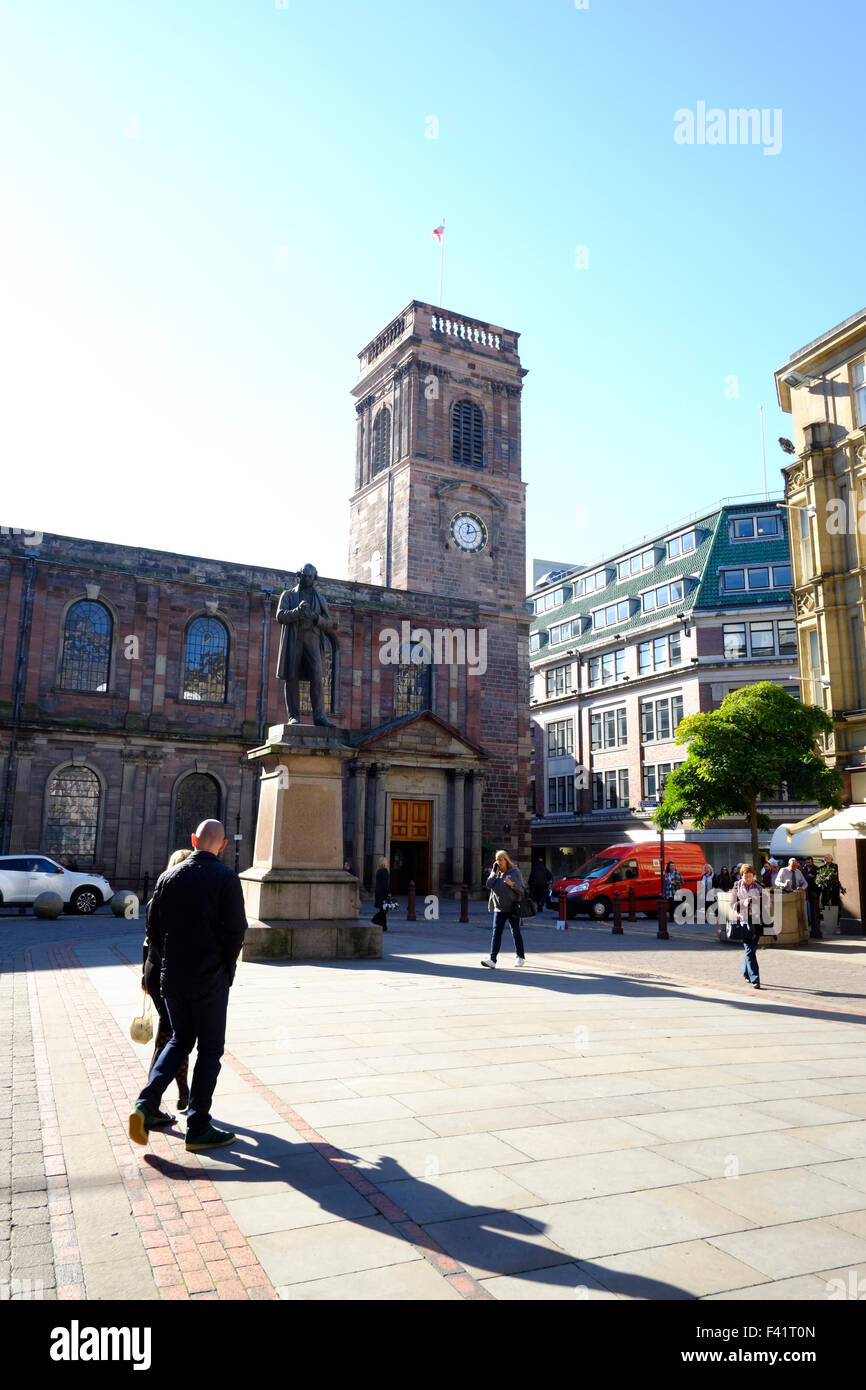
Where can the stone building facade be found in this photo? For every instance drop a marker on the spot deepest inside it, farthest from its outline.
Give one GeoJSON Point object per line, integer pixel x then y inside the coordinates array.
{"type": "Point", "coordinates": [133, 682]}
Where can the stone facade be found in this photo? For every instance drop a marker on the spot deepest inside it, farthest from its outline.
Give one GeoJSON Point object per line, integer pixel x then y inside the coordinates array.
{"type": "Point", "coordinates": [136, 734]}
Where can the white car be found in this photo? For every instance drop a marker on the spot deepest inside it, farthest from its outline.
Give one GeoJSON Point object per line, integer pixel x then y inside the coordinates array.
{"type": "Point", "coordinates": [24, 876]}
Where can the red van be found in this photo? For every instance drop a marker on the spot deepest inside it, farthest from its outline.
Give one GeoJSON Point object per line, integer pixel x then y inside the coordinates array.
{"type": "Point", "coordinates": [590, 889]}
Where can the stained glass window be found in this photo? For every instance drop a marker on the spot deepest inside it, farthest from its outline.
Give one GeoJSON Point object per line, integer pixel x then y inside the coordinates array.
{"type": "Point", "coordinates": [206, 660]}
{"type": "Point", "coordinates": [72, 814]}
{"type": "Point", "coordinates": [411, 689]}
{"type": "Point", "coordinates": [86, 647]}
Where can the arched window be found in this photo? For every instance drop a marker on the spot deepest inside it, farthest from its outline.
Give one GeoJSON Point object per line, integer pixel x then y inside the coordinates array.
{"type": "Point", "coordinates": [72, 815]}
{"type": "Point", "coordinates": [467, 434]}
{"type": "Point", "coordinates": [205, 667]}
{"type": "Point", "coordinates": [327, 681]}
{"type": "Point", "coordinates": [411, 689]}
{"type": "Point", "coordinates": [197, 798]}
{"type": "Point", "coordinates": [381, 447]}
{"type": "Point", "coordinates": [86, 647]}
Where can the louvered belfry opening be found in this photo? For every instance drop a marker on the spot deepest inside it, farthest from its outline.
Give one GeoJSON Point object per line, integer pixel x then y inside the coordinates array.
{"type": "Point", "coordinates": [467, 434]}
{"type": "Point", "coordinates": [381, 440]}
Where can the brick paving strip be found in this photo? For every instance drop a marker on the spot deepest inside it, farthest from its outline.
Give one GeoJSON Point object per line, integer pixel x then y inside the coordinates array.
{"type": "Point", "coordinates": [450, 1269]}
{"type": "Point", "coordinates": [192, 1244]}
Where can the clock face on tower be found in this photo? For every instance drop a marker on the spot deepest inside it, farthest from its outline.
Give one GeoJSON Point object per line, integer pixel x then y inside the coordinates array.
{"type": "Point", "coordinates": [468, 532]}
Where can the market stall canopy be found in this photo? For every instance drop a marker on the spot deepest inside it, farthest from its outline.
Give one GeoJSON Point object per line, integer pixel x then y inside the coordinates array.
{"type": "Point", "coordinates": [800, 838]}
{"type": "Point", "coordinates": [848, 824]}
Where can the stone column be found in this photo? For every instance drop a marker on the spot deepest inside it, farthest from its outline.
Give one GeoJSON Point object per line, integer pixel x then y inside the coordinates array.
{"type": "Point", "coordinates": [475, 834]}
{"type": "Point", "coordinates": [359, 813]}
{"type": "Point", "coordinates": [379, 847]}
{"type": "Point", "coordinates": [458, 852]}
{"type": "Point", "coordinates": [129, 760]}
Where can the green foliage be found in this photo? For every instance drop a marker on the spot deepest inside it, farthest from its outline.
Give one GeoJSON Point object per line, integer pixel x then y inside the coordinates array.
{"type": "Point", "coordinates": [758, 740]}
{"type": "Point", "coordinates": [828, 877]}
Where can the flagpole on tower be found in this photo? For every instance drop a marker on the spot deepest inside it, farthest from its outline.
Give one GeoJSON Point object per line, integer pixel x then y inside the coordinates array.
{"type": "Point", "coordinates": [439, 234]}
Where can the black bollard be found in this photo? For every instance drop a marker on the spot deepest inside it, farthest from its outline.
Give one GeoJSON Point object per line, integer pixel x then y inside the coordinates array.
{"type": "Point", "coordinates": [616, 929]}
{"type": "Point", "coordinates": [631, 911]}
{"type": "Point", "coordinates": [464, 903]}
{"type": "Point", "coordinates": [410, 905]}
{"type": "Point", "coordinates": [662, 933]}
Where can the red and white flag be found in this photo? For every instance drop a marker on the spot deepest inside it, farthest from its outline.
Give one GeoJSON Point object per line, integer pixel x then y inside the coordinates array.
{"type": "Point", "coordinates": [439, 232]}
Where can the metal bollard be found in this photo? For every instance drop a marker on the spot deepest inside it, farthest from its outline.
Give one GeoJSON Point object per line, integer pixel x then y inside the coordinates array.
{"type": "Point", "coordinates": [464, 903]}
{"type": "Point", "coordinates": [631, 911]}
{"type": "Point", "coordinates": [662, 933]}
{"type": "Point", "coordinates": [616, 929]}
{"type": "Point", "coordinates": [563, 912]}
{"type": "Point", "coordinates": [410, 905]}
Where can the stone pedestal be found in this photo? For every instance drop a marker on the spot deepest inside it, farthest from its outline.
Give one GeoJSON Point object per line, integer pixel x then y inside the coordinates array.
{"type": "Point", "coordinates": [792, 919]}
{"type": "Point", "coordinates": [300, 902]}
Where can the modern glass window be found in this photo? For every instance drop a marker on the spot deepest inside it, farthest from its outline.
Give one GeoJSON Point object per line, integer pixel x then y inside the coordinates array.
{"type": "Point", "coordinates": [610, 789]}
{"type": "Point", "coordinates": [197, 798]}
{"type": "Point", "coordinates": [734, 638]}
{"type": "Point", "coordinates": [560, 795]}
{"type": "Point", "coordinates": [610, 615]}
{"type": "Point", "coordinates": [381, 440]}
{"type": "Point", "coordinates": [467, 434]}
{"type": "Point", "coordinates": [411, 688]}
{"type": "Point", "coordinates": [646, 560]}
{"type": "Point", "coordinates": [659, 718]}
{"type": "Point", "coordinates": [858, 379]}
{"type": "Point", "coordinates": [604, 669]}
{"type": "Point", "coordinates": [787, 639]}
{"type": "Point", "coordinates": [619, 656]}
{"type": "Point", "coordinates": [608, 729]}
{"type": "Point", "coordinates": [759, 578]}
{"type": "Point", "coordinates": [781, 576]}
{"type": "Point", "coordinates": [674, 649]}
{"type": "Point", "coordinates": [554, 598]}
{"type": "Point", "coordinates": [558, 680]}
{"type": "Point", "coordinates": [535, 641]}
{"type": "Point", "coordinates": [659, 653]}
{"type": "Point", "coordinates": [682, 545]}
{"type": "Point", "coordinates": [72, 815]}
{"type": "Point", "coordinates": [755, 577]}
{"type": "Point", "coordinates": [560, 738]}
{"type": "Point", "coordinates": [733, 579]}
{"type": "Point", "coordinates": [86, 648]}
{"type": "Point", "coordinates": [746, 528]}
{"type": "Point", "coordinates": [654, 776]}
{"type": "Point", "coordinates": [762, 639]}
{"type": "Point", "coordinates": [663, 595]}
{"type": "Point", "coordinates": [205, 667]}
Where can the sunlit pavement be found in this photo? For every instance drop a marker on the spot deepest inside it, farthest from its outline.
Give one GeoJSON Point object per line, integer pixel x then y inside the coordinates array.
{"type": "Point", "coordinates": [623, 1118]}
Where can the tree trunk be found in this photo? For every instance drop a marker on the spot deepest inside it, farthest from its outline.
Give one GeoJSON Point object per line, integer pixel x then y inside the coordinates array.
{"type": "Point", "coordinates": [753, 826]}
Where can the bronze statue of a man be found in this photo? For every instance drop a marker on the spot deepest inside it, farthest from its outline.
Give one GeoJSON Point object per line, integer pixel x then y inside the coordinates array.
{"type": "Point", "coordinates": [306, 627]}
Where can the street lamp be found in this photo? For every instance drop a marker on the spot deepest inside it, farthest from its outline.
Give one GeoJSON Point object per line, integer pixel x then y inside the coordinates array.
{"type": "Point", "coordinates": [662, 933]}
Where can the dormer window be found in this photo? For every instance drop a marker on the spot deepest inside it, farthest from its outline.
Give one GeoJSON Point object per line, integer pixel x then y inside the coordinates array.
{"type": "Point", "coordinates": [663, 595]}
{"type": "Point", "coordinates": [682, 545]}
{"type": "Point", "coordinates": [763, 526]}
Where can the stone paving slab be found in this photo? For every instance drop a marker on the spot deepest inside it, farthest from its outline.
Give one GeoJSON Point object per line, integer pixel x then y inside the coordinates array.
{"type": "Point", "coordinates": [415, 1128]}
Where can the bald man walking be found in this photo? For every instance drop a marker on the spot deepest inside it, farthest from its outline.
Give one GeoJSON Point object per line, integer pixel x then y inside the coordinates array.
{"type": "Point", "coordinates": [196, 927]}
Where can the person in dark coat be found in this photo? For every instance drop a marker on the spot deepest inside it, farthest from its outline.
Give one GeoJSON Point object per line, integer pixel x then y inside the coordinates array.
{"type": "Point", "coordinates": [723, 879]}
{"type": "Point", "coordinates": [196, 927]}
{"type": "Point", "coordinates": [151, 967]}
{"type": "Point", "coordinates": [381, 894]}
{"type": "Point", "coordinates": [307, 624]}
{"type": "Point", "coordinates": [540, 879]}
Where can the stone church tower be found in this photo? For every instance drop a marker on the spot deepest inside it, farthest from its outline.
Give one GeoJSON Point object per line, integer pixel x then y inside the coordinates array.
{"type": "Point", "coordinates": [438, 511]}
{"type": "Point", "coordinates": [438, 505]}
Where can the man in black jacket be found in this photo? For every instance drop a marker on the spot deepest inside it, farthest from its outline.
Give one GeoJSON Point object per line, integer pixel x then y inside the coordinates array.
{"type": "Point", "coordinates": [196, 927]}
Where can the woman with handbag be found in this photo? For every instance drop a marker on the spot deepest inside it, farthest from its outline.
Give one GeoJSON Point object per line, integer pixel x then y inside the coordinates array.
{"type": "Point", "coordinates": [507, 888]}
{"type": "Point", "coordinates": [381, 894]}
{"type": "Point", "coordinates": [150, 984]}
{"type": "Point", "coordinates": [747, 902]}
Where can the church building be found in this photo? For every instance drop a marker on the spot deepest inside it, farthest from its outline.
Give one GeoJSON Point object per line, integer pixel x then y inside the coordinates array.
{"type": "Point", "coordinates": [133, 682]}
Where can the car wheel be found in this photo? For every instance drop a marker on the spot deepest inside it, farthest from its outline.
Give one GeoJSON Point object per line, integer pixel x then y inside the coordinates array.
{"type": "Point", "coordinates": [84, 901]}
{"type": "Point", "coordinates": [599, 909]}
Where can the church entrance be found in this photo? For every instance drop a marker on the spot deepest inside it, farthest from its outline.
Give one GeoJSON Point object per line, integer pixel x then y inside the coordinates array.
{"type": "Point", "coordinates": [411, 824]}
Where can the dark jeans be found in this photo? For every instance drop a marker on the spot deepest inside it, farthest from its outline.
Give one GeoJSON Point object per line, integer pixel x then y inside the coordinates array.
{"type": "Point", "coordinates": [500, 921]}
{"type": "Point", "coordinates": [201, 1021]}
{"type": "Point", "coordinates": [750, 962]}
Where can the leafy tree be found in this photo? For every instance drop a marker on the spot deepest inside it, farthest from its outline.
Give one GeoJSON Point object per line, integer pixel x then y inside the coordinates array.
{"type": "Point", "coordinates": [758, 740]}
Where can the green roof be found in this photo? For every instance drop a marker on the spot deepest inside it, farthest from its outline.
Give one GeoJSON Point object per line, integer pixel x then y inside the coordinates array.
{"type": "Point", "coordinates": [715, 549]}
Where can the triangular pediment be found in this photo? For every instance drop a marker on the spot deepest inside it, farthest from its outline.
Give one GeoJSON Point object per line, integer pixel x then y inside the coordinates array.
{"type": "Point", "coordinates": [423, 735]}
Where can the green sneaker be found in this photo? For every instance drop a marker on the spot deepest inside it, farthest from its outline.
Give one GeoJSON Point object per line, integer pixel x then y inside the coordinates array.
{"type": "Point", "coordinates": [211, 1138]}
{"type": "Point", "coordinates": [139, 1123]}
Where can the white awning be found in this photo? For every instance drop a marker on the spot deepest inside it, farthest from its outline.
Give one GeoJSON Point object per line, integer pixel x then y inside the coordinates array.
{"type": "Point", "coordinates": [847, 824]}
{"type": "Point", "coordinates": [789, 843]}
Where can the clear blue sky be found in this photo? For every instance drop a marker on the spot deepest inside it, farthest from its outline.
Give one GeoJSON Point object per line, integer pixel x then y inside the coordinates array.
{"type": "Point", "coordinates": [169, 382]}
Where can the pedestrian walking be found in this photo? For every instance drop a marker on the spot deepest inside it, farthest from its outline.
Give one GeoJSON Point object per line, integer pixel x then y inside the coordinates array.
{"type": "Point", "coordinates": [151, 967]}
{"type": "Point", "coordinates": [506, 886]}
{"type": "Point", "coordinates": [673, 883]}
{"type": "Point", "coordinates": [196, 926]}
{"type": "Point", "coordinates": [381, 894]}
{"type": "Point", "coordinates": [540, 879]}
{"type": "Point", "coordinates": [747, 902]}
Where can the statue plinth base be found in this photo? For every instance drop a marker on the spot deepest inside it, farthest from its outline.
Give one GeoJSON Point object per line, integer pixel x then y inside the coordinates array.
{"type": "Point", "coordinates": [300, 902]}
